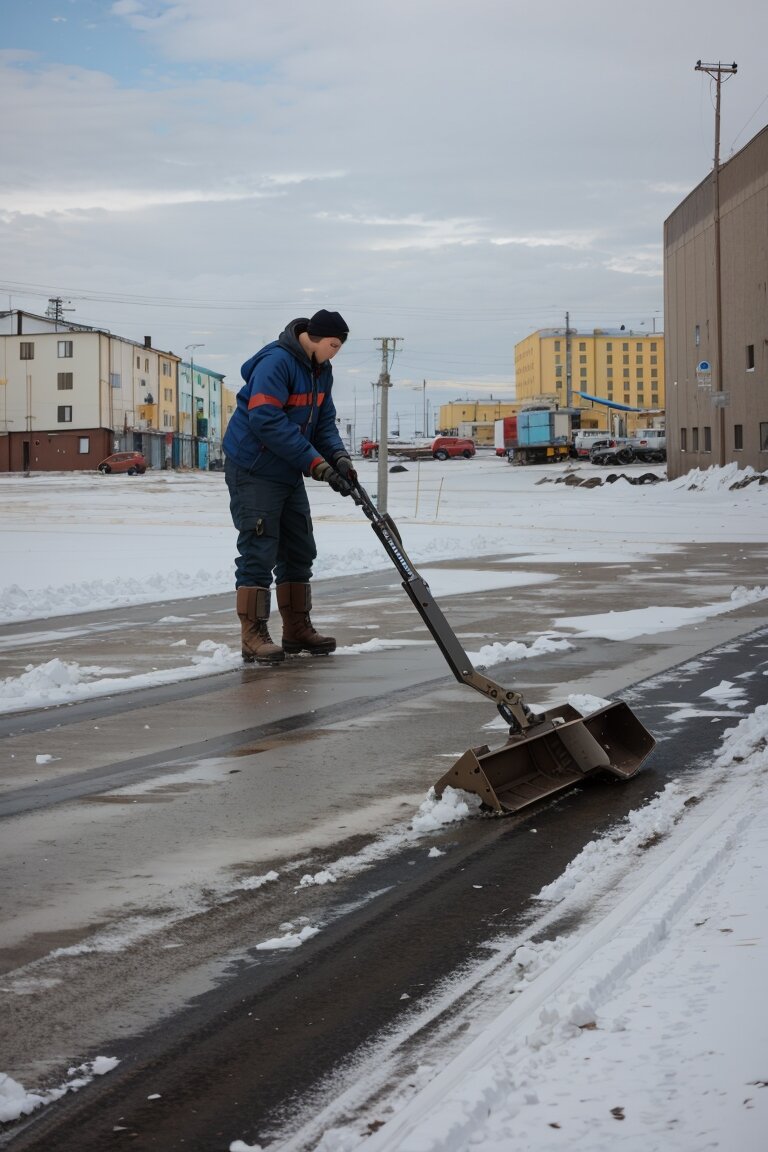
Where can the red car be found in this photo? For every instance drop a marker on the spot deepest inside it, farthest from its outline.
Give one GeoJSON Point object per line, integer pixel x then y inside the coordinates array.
{"type": "Point", "coordinates": [130, 462]}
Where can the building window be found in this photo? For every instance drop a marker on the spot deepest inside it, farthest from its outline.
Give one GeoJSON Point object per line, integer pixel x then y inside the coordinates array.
{"type": "Point", "coordinates": [625, 373]}
{"type": "Point", "coordinates": [115, 380]}
{"type": "Point", "coordinates": [582, 373]}
{"type": "Point", "coordinates": [609, 359]}
{"type": "Point", "coordinates": [694, 439]}
{"type": "Point", "coordinates": [653, 346]}
{"type": "Point", "coordinates": [640, 398]}
{"type": "Point", "coordinates": [27, 350]}
{"type": "Point", "coordinates": [738, 436]}
{"type": "Point", "coordinates": [166, 368]}
{"type": "Point", "coordinates": [558, 369]}
{"type": "Point", "coordinates": [750, 357]}
{"type": "Point", "coordinates": [138, 361]}
{"type": "Point", "coordinates": [625, 347]}
{"type": "Point", "coordinates": [654, 359]}
{"type": "Point", "coordinates": [557, 345]}
{"type": "Point", "coordinates": [655, 399]}
{"type": "Point", "coordinates": [146, 365]}
{"type": "Point", "coordinates": [609, 346]}
{"type": "Point", "coordinates": [582, 346]}
{"type": "Point", "coordinates": [638, 359]}
{"type": "Point", "coordinates": [654, 373]}
{"type": "Point", "coordinates": [64, 414]}
{"type": "Point", "coordinates": [764, 436]}
{"type": "Point", "coordinates": [582, 359]}
{"type": "Point", "coordinates": [626, 397]}
{"type": "Point", "coordinates": [625, 359]}
{"type": "Point", "coordinates": [609, 373]}
{"type": "Point", "coordinates": [708, 438]}
{"type": "Point", "coordinates": [683, 439]}
{"type": "Point", "coordinates": [84, 445]}
{"type": "Point", "coordinates": [639, 373]}
{"type": "Point", "coordinates": [63, 349]}
{"type": "Point", "coordinates": [638, 347]}
{"type": "Point", "coordinates": [64, 381]}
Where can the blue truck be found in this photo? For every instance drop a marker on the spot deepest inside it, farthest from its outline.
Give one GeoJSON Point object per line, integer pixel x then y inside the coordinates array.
{"type": "Point", "coordinates": [543, 436]}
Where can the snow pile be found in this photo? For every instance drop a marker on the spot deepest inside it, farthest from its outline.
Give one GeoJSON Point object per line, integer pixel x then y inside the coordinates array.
{"type": "Point", "coordinates": [16, 1101]}
{"type": "Point", "coordinates": [253, 882]}
{"type": "Point", "coordinates": [498, 653]}
{"type": "Point", "coordinates": [65, 682]}
{"type": "Point", "coordinates": [715, 479]}
{"type": "Point", "coordinates": [453, 805]}
{"type": "Point", "coordinates": [291, 939]}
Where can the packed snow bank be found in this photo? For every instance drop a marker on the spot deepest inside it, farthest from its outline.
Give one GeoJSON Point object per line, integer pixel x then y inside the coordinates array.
{"type": "Point", "coordinates": [648, 1018]}
{"type": "Point", "coordinates": [117, 553]}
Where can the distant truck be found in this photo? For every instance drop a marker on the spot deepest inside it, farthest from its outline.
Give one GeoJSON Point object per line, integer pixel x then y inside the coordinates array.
{"type": "Point", "coordinates": [584, 438]}
{"type": "Point", "coordinates": [649, 440]}
{"type": "Point", "coordinates": [543, 437]}
{"type": "Point", "coordinates": [505, 434]}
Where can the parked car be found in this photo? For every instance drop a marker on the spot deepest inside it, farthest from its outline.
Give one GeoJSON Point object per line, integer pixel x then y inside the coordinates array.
{"type": "Point", "coordinates": [611, 451]}
{"type": "Point", "coordinates": [130, 462]}
{"type": "Point", "coordinates": [445, 447]}
{"type": "Point", "coordinates": [441, 448]}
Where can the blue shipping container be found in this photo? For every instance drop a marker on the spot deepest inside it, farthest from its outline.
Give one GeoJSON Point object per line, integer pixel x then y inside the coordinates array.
{"type": "Point", "coordinates": [534, 427]}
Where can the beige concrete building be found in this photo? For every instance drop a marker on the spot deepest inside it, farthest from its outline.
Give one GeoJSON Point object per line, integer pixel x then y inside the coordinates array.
{"type": "Point", "coordinates": [716, 318]}
{"type": "Point", "coordinates": [474, 418]}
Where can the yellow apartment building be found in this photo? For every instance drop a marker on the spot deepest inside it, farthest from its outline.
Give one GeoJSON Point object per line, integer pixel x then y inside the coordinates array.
{"type": "Point", "coordinates": [567, 367]}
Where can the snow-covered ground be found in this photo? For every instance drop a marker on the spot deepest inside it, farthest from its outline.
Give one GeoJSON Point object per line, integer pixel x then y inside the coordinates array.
{"type": "Point", "coordinates": [645, 1029]}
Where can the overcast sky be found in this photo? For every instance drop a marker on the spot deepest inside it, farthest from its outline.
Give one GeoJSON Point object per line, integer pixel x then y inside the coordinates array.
{"type": "Point", "coordinates": [455, 174]}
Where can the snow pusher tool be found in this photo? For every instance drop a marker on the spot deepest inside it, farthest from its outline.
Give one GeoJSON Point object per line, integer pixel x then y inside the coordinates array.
{"type": "Point", "coordinates": [545, 752]}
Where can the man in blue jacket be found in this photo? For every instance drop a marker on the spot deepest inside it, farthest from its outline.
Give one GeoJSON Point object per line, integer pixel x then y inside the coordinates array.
{"type": "Point", "coordinates": [283, 428]}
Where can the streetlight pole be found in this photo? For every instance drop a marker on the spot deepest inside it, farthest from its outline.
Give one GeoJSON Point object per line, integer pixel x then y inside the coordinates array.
{"type": "Point", "coordinates": [384, 384]}
{"type": "Point", "coordinates": [191, 349]}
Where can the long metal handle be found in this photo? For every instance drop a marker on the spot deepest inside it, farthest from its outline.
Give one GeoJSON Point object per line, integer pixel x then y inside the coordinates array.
{"type": "Point", "coordinates": [509, 703]}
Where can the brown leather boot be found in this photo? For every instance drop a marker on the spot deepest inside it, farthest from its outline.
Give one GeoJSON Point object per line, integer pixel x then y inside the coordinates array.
{"type": "Point", "coordinates": [253, 610]}
{"type": "Point", "coordinates": [295, 602]}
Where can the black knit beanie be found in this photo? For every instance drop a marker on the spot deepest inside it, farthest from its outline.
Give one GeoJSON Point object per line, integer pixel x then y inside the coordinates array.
{"type": "Point", "coordinates": [325, 323]}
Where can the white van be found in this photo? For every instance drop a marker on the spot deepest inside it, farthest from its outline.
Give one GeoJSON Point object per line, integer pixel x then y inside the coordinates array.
{"type": "Point", "coordinates": [585, 438]}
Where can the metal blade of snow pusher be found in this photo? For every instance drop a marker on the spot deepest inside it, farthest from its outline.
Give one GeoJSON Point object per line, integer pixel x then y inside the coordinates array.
{"type": "Point", "coordinates": [556, 754]}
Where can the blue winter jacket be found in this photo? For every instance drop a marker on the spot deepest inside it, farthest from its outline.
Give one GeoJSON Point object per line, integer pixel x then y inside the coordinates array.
{"type": "Point", "coordinates": [285, 420]}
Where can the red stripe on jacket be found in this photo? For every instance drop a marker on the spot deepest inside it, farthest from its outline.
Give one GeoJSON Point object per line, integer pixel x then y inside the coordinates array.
{"type": "Point", "coordinates": [299, 400]}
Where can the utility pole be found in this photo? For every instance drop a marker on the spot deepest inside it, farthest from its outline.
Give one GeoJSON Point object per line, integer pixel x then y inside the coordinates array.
{"type": "Point", "coordinates": [55, 310]}
{"type": "Point", "coordinates": [384, 384]}
{"type": "Point", "coordinates": [716, 72]}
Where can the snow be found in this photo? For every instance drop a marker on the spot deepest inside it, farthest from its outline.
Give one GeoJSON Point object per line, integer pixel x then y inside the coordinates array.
{"type": "Point", "coordinates": [639, 1029]}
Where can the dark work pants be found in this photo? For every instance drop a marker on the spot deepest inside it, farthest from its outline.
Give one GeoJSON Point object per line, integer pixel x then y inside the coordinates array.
{"type": "Point", "coordinates": [274, 529]}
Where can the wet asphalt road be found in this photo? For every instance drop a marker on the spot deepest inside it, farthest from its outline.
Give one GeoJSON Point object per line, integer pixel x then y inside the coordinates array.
{"type": "Point", "coordinates": [290, 769]}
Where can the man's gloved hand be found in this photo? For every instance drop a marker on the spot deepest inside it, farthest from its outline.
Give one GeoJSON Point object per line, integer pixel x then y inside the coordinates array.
{"type": "Point", "coordinates": [344, 467]}
{"type": "Point", "coordinates": [325, 472]}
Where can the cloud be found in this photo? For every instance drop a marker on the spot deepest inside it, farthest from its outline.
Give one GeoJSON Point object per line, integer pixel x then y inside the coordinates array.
{"type": "Point", "coordinates": [574, 240]}
{"type": "Point", "coordinates": [415, 232]}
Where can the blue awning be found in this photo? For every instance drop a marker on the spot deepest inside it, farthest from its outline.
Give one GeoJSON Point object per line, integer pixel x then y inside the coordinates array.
{"type": "Point", "coordinates": [609, 403]}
